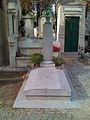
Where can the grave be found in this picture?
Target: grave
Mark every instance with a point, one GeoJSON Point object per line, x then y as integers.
{"type": "Point", "coordinates": [28, 46]}
{"type": "Point", "coordinates": [45, 84]}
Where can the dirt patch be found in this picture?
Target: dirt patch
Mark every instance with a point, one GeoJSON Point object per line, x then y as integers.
{"type": "Point", "coordinates": [10, 84]}
{"type": "Point", "coordinates": [11, 74]}
{"type": "Point", "coordinates": [8, 93]}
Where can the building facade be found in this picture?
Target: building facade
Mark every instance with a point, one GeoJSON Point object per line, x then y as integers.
{"type": "Point", "coordinates": [71, 25]}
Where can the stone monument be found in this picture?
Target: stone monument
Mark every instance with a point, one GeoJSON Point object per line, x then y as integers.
{"type": "Point", "coordinates": [48, 39]}
{"type": "Point", "coordinates": [46, 83]}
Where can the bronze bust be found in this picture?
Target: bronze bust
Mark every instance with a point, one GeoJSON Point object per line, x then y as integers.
{"type": "Point", "coordinates": [48, 12]}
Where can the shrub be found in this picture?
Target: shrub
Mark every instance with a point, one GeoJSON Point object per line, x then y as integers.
{"type": "Point", "coordinates": [58, 61]}
{"type": "Point", "coordinates": [36, 58]}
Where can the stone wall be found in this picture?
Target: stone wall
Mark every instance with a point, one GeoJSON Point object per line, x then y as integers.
{"type": "Point", "coordinates": [3, 37]}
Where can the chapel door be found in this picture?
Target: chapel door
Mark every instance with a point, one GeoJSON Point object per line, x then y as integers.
{"type": "Point", "coordinates": [71, 34]}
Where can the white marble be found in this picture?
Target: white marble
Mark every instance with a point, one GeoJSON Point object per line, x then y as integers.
{"type": "Point", "coordinates": [47, 45]}
{"type": "Point", "coordinates": [30, 46]}
{"type": "Point", "coordinates": [41, 23]}
{"type": "Point", "coordinates": [22, 102]}
{"type": "Point", "coordinates": [30, 43]}
{"type": "Point", "coordinates": [29, 25]}
{"type": "Point", "coordinates": [47, 82]}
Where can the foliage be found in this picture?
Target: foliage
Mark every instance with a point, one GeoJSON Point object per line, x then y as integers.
{"type": "Point", "coordinates": [58, 61]}
{"type": "Point", "coordinates": [88, 5]}
{"type": "Point", "coordinates": [36, 58]}
{"type": "Point", "coordinates": [26, 6]}
{"type": "Point", "coordinates": [32, 5]}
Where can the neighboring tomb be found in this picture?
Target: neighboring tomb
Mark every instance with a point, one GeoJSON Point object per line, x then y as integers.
{"type": "Point", "coordinates": [71, 25]}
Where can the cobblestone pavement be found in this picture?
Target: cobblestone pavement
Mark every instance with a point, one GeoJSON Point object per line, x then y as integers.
{"type": "Point", "coordinates": [79, 78]}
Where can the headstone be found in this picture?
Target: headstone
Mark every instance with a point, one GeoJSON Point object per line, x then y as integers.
{"type": "Point", "coordinates": [29, 25]}
{"type": "Point", "coordinates": [41, 23]}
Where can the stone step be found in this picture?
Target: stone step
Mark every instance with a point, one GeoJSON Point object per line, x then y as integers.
{"type": "Point", "coordinates": [69, 54]}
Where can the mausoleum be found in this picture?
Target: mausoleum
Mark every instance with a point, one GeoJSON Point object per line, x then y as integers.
{"type": "Point", "coordinates": [71, 25]}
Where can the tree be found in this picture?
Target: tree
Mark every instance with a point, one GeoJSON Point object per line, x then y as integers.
{"type": "Point", "coordinates": [34, 6]}
{"type": "Point", "coordinates": [26, 6]}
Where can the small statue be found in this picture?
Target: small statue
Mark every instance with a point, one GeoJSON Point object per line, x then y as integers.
{"type": "Point", "coordinates": [21, 28]}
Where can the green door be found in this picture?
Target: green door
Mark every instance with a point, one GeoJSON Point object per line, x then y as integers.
{"type": "Point", "coordinates": [71, 34]}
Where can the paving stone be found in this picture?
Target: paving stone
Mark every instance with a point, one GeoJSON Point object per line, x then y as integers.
{"type": "Point", "coordinates": [45, 117]}
{"type": "Point", "coordinates": [34, 116]}
{"type": "Point", "coordinates": [80, 79]}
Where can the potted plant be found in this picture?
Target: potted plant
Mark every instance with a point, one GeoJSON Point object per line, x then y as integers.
{"type": "Point", "coordinates": [36, 59]}
{"type": "Point", "coordinates": [59, 62]}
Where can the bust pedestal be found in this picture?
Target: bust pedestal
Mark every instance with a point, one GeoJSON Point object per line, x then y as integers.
{"type": "Point", "coordinates": [47, 46]}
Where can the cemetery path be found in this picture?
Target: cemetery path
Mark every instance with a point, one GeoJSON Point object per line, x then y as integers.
{"type": "Point", "coordinates": [80, 79]}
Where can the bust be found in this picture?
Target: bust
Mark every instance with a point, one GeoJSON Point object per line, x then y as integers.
{"type": "Point", "coordinates": [48, 12]}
